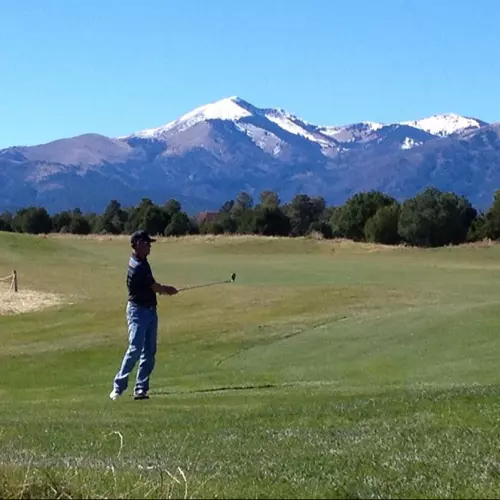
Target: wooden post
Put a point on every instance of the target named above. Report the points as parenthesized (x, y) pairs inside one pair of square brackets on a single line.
[(14, 273)]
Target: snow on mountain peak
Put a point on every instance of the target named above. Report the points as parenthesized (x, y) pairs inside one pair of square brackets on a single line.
[(350, 133), (226, 109), (444, 125), (231, 108), (293, 125), (373, 125), (237, 110)]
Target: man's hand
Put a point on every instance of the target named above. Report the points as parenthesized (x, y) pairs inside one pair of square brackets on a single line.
[(169, 290), (164, 289)]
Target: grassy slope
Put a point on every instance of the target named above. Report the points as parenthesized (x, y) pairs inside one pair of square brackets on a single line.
[(327, 369)]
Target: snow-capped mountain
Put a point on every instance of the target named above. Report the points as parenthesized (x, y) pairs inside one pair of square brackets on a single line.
[(238, 111), (210, 153), (351, 133), (231, 109), (445, 125)]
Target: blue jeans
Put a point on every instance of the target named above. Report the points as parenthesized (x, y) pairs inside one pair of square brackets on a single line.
[(142, 337)]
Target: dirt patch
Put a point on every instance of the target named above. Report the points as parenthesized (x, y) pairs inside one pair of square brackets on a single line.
[(25, 301)]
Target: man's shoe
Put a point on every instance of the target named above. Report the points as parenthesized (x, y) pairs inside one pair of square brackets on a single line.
[(114, 394), (141, 395)]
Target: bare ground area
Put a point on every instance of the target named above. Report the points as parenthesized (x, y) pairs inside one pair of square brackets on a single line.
[(25, 301)]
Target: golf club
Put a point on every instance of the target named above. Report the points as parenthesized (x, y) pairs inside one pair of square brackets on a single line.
[(233, 277)]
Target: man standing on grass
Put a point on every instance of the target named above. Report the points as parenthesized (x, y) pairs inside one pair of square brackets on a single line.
[(142, 319)]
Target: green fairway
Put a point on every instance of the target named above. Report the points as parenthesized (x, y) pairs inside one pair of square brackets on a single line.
[(327, 369)]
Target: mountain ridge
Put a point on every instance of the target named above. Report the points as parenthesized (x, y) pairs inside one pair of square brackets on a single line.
[(207, 155)]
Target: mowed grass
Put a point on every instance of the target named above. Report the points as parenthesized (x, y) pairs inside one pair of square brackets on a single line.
[(328, 369)]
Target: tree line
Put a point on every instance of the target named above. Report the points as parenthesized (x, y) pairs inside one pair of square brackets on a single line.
[(432, 218)]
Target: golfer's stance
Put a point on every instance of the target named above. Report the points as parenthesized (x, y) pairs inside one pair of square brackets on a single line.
[(142, 319)]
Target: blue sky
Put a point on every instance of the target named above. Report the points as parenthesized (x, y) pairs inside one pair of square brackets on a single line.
[(116, 66)]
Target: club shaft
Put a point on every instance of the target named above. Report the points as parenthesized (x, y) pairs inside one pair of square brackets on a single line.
[(206, 284)]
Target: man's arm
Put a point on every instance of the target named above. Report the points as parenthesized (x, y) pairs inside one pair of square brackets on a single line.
[(164, 289)]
